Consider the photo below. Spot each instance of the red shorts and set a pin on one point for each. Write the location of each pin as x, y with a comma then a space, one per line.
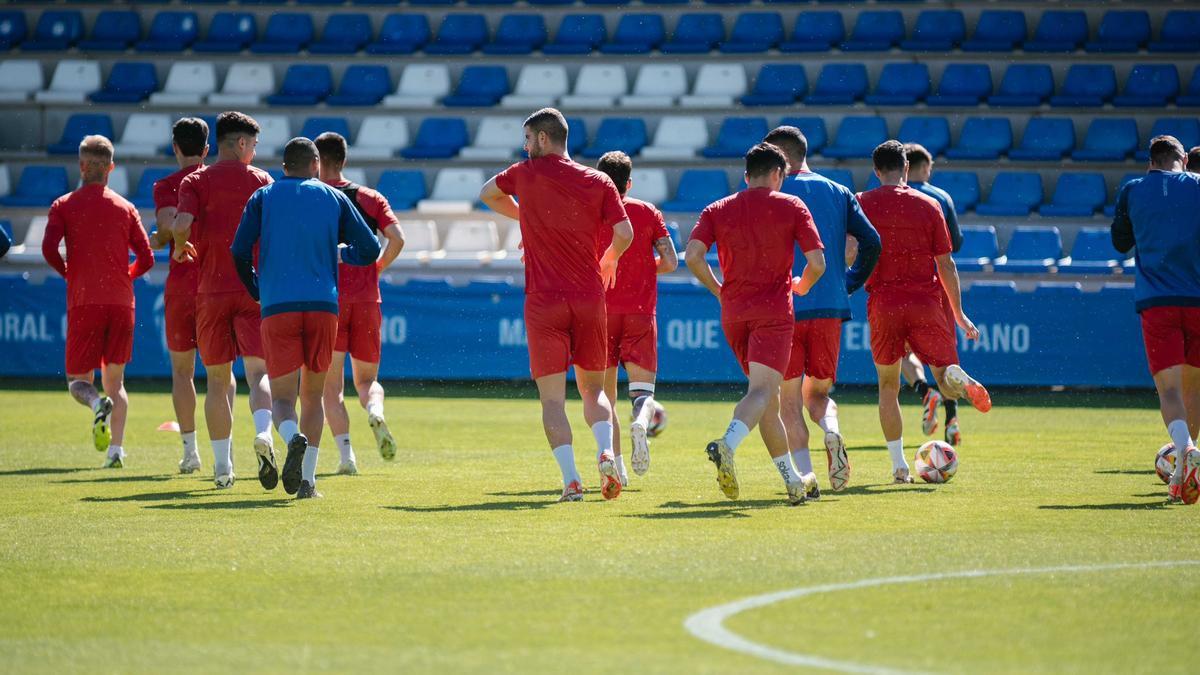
565, 329
358, 330
917, 322
765, 341
180, 315
98, 335
815, 347
1172, 337
295, 339
633, 338
228, 324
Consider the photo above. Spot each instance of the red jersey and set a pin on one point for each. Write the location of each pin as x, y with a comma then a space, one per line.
565, 207
756, 231
360, 283
636, 290
216, 196
913, 231
101, 228
183, 278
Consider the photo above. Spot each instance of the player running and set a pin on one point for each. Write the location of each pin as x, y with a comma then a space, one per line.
905, 305
297, 224
817, 335
756, 231
359, 315
565, 209
1159, 215
100, 228
227, 318
630, 305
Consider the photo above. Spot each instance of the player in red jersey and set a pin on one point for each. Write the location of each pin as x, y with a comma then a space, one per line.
359, 315
210, 207
915, 276
756, 232
630, 305
100, 228
565, 210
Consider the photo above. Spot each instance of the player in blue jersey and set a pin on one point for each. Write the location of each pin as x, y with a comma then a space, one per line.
817, 336
1160, 215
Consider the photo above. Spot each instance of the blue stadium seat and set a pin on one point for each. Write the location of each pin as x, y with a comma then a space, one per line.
839, 84
979, 248
459, 34
697, 189
627, 134
127, 83
171, 32
1033, 249
578, 34
815, 32
696, 33
1076, 195
1112, 200
1149, 86
842, 177
577, 138
813, 129
143, 196
1092, 253
114, 31
1024, 85
1186, 129
983, 138
286, 33
875, 31
1122, 31
754, 32
636, 34
1014, 193
229, 32
401, 34
315, 126
937, 30
479, 87
1180, 32
736, 136
1108, 140
80, 125
402, 188
343, 34
38, 186
963, 187
362, 85
963, 84
56, 31
857, 137
1045, 139
13, 28
518, 34
997, 30
1059, 30
303, 84
778, 84
438, 138
1088, 85
901, 84
931, 132
1191, 97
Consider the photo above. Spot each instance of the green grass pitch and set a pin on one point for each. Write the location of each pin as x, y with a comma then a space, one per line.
455, 557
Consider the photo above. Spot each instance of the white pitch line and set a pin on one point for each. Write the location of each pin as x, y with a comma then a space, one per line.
709, 624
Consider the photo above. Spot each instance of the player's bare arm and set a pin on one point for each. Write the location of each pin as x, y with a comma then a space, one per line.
622, 238
813, 271
694, 255
162, 233
181, 230
395, 244
948, 272
498, 201
668, 259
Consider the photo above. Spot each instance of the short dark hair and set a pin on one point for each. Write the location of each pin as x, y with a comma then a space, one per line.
917, 155
617, 166
332, 147
889, 156
1193, 163
789, 139
1165, 149
191, 135
299, 153
764, 158
550, 121
232, 122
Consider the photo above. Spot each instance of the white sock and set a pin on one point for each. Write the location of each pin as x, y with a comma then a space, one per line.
896, 451
375, 408
96, 404
189, 443
1182, 440
262, 422
308, 470
565, 456
621, 469
223, 456
803, 460
344, 447
786, 471
735, 434
645, 411
287, 429
116, 451
603, 433
830, 424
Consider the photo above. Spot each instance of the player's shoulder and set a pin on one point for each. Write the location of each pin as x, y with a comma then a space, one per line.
118, 200
785, 199
258, 173
922, 196
634, 205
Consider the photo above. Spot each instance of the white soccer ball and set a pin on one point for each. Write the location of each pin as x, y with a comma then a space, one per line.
936, 462
1164, 462
658, 420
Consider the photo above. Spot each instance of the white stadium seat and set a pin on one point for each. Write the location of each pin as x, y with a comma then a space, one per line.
512, 241
30, 248
145, 135
597, 86
454, 191
657, 86
421, 86
73, 80
420, 240
5, 181
498, 138
472, 239
677, 137
20, 79
538, 86
717, 85
649, 185
380, 137
245, 85
188, 83
274, 133
355, 175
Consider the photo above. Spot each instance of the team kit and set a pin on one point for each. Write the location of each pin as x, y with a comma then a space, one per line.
285, 275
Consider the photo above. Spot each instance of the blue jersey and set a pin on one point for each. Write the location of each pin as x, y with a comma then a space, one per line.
947, 203
1160, 214
298, 224
837, 214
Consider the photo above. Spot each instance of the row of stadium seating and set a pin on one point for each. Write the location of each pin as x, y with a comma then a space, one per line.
635, 33
599, 85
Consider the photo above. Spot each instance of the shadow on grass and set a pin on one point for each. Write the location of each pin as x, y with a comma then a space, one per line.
277, 502
1118, 506
46, 471
483, 506
153, 496
124, 478
1126, 472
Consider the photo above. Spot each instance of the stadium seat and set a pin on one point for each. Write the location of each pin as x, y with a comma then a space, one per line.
171, 32
1045, 139
1088, 85
777, 84
303, 84
1191, 98
717, 85
627, 134
38, 186
245, 85
1108, 140
963, 187
13, 28
79, 125
315, 126
857, 137
577, 34
753, 33
1092, 253
401, 34
5, 187
72, 81
649, 185
127, 83
1024, 85
459, 34
815, 31
479, 87
454, 191
143, 196
1033, 249
963, 84
577, 136
113, 31
402, 188
420, 239
901, 84
274, 133
597, 86
421, 86
1149, 86
438, 138
937, 30
658, 85
1122, 31
931, 132
1059, 30
538, 86
343, 34
1111, 206
696, 33
56, 31
697, 189
813, 129
979, 248
839, 84
842, 177
144, 135
677, 137
228, 32
875, 31
736, 136
1013, 193
1179, 32
518, 34
380, 137
997, 30
1076, 195
30, 248
188, 83
355, 175
1186, 129
636, 34
497, 138
362, 86
471, 239
20, 79
286, 33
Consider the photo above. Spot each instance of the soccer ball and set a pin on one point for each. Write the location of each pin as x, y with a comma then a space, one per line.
936, 462
1164, 462
658, 420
